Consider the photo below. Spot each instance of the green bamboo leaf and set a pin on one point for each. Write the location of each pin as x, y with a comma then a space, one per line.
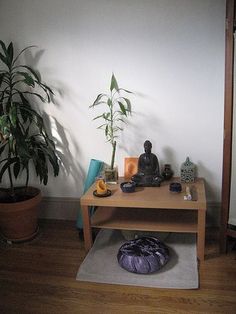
125, 90
107, 119
98, 103
122, 108
101, 126
118, 107
95, 103
128, 104
109, 102
114, 84
122, 120
100, 116
106, 116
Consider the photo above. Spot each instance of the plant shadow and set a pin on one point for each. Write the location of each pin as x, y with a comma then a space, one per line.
69, 166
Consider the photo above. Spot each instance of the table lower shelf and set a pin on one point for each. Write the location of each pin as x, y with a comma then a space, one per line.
146, 219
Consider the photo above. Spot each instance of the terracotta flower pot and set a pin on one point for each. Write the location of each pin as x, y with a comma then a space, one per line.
19, 220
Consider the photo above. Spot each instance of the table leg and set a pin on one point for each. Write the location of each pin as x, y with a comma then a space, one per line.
201, 226
88, 241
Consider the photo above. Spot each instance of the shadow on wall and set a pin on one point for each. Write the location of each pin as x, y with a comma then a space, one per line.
133, 142
31, 59
69, 166
152, 124
169, 158
145, 125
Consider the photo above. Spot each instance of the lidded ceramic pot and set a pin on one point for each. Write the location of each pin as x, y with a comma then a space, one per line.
167, 172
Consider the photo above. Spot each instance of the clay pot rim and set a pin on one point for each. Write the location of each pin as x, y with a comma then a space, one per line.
14, 206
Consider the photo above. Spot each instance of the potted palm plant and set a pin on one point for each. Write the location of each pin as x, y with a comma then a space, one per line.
117, 109
24, 144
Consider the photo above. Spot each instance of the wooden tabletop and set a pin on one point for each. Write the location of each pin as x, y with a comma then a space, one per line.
150, 197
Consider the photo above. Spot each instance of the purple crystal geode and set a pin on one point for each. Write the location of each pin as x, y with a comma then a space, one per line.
143, 255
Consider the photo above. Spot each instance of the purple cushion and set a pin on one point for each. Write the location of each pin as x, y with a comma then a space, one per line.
143, 255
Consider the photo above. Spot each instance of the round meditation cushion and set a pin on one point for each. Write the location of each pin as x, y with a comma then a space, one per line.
143, 255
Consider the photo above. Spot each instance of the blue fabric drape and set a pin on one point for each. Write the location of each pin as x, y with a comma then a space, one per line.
94, 170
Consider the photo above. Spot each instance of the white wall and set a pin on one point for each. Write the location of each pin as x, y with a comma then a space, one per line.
171, 52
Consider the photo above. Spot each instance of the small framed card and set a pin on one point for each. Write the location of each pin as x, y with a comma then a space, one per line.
131, 167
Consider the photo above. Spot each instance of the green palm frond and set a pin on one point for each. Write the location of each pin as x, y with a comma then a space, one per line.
23, 139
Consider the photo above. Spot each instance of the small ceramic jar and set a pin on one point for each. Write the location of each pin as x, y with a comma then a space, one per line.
167, 172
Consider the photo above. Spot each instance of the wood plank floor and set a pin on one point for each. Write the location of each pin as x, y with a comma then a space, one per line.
39, 277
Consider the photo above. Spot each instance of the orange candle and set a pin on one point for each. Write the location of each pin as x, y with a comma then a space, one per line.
101, 187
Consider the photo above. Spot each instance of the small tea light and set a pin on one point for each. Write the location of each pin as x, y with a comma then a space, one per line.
128, 187
175, 187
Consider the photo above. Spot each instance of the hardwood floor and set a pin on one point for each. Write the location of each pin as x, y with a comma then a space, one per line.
39, 277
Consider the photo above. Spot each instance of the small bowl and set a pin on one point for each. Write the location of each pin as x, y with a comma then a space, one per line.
128, 187
175, 187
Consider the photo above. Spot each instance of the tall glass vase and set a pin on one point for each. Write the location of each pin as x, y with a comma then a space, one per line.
111, 175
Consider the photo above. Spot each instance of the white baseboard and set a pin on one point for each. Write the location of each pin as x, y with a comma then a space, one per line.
66, 208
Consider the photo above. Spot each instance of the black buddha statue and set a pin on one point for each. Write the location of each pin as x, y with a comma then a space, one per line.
148, 168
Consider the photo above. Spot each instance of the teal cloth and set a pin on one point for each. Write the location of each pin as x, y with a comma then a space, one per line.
94, 170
